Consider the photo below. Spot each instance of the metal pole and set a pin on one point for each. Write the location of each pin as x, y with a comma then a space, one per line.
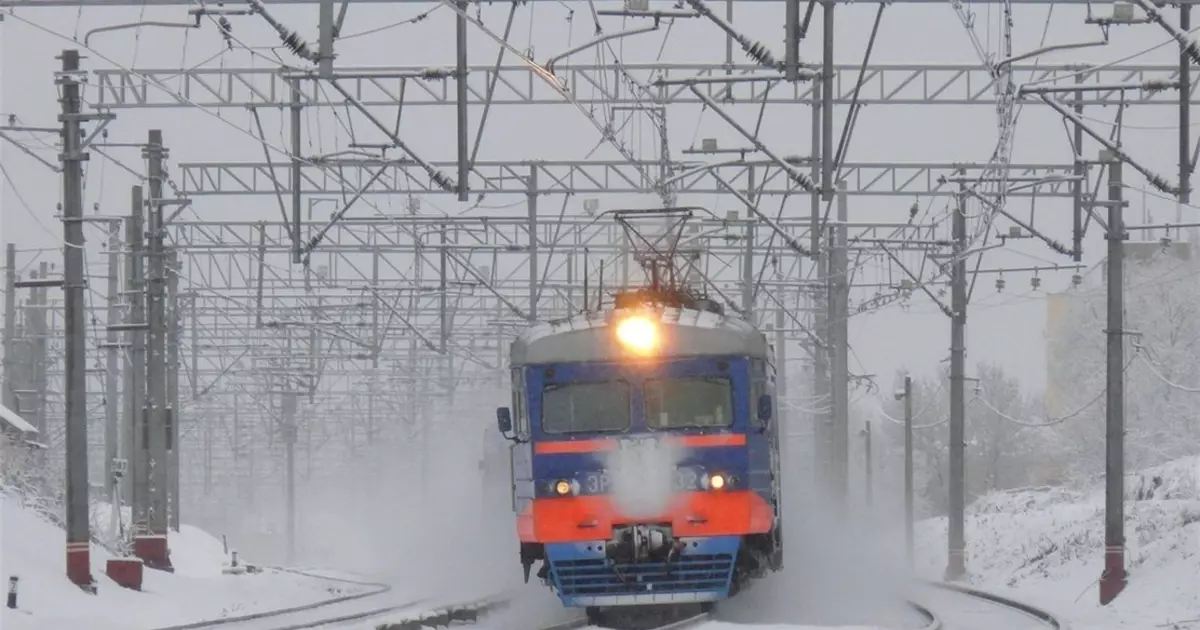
531, 196
1112, 580
748, 271
10, 325
1185, 95
1077, 185
956, 566
112, 368
294, 119
325, 36
153, 548
464, 151
827, 72
173, 413
908, 472
75, 330
41, 315
839, 322
791, 54
781, 380
289, 441
444, 320
135, 378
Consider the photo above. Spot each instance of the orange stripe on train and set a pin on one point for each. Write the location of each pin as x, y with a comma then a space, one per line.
609, 444
577, 519
574, 446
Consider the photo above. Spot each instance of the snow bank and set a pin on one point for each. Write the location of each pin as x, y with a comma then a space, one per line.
1046, 546
33, 549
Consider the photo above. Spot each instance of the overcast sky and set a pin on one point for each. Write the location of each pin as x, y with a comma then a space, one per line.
1006, 327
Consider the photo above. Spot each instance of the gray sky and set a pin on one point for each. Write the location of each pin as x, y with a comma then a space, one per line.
1006, 328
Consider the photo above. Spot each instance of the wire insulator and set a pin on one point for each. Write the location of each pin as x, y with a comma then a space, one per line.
443, 180
296, 44
759, 52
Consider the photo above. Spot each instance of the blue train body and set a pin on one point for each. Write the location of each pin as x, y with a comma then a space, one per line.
583, 408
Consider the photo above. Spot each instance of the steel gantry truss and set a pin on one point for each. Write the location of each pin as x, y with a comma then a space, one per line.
337, 337
896, 84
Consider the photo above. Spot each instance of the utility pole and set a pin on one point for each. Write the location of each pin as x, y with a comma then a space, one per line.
10, 326
839, 323
1112, 580
112, 364
75, 330
173, 413
41, 335
956, 566
460, 37
135, 442
908, 472
289, 435
153, 549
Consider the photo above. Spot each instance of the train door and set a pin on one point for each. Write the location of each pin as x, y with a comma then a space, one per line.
521, 452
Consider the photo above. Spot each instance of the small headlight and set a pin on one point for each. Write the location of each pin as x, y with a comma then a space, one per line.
563, 488
717, 482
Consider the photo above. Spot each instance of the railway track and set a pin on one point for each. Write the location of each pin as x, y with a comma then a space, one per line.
941, 606
374, 601
964, 608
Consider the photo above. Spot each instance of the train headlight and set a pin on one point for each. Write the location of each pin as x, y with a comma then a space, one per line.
715, 481
562, 488
638, 334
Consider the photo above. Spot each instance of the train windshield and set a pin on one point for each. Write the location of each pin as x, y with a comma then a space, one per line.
689, 403
585, 407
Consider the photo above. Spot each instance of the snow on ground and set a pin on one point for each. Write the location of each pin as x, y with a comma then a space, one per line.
34, 550
1045, 546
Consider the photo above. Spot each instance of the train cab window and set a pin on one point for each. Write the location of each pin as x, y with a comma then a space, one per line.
689, 403
757, 389
585, 407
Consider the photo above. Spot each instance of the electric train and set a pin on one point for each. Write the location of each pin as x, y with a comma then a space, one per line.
645, 460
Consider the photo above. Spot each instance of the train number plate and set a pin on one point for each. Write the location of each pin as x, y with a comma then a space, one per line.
685, 480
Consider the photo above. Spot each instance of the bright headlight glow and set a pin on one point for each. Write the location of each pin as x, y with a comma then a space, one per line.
715, 481
638, 334
563, 488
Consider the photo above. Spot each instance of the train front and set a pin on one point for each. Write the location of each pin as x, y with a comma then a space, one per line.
647, 474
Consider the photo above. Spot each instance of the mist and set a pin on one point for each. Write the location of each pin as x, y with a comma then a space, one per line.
643, 476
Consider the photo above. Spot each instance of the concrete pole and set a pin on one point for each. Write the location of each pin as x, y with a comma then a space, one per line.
534, 281
1113, 579
464, 151
112, 446
1185, 91
297, 196
10, 326
153, 548
174, 415
908, 472
136, 473
748, 271
289, 434
839, 324
956, 541
75, 328
41, 332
